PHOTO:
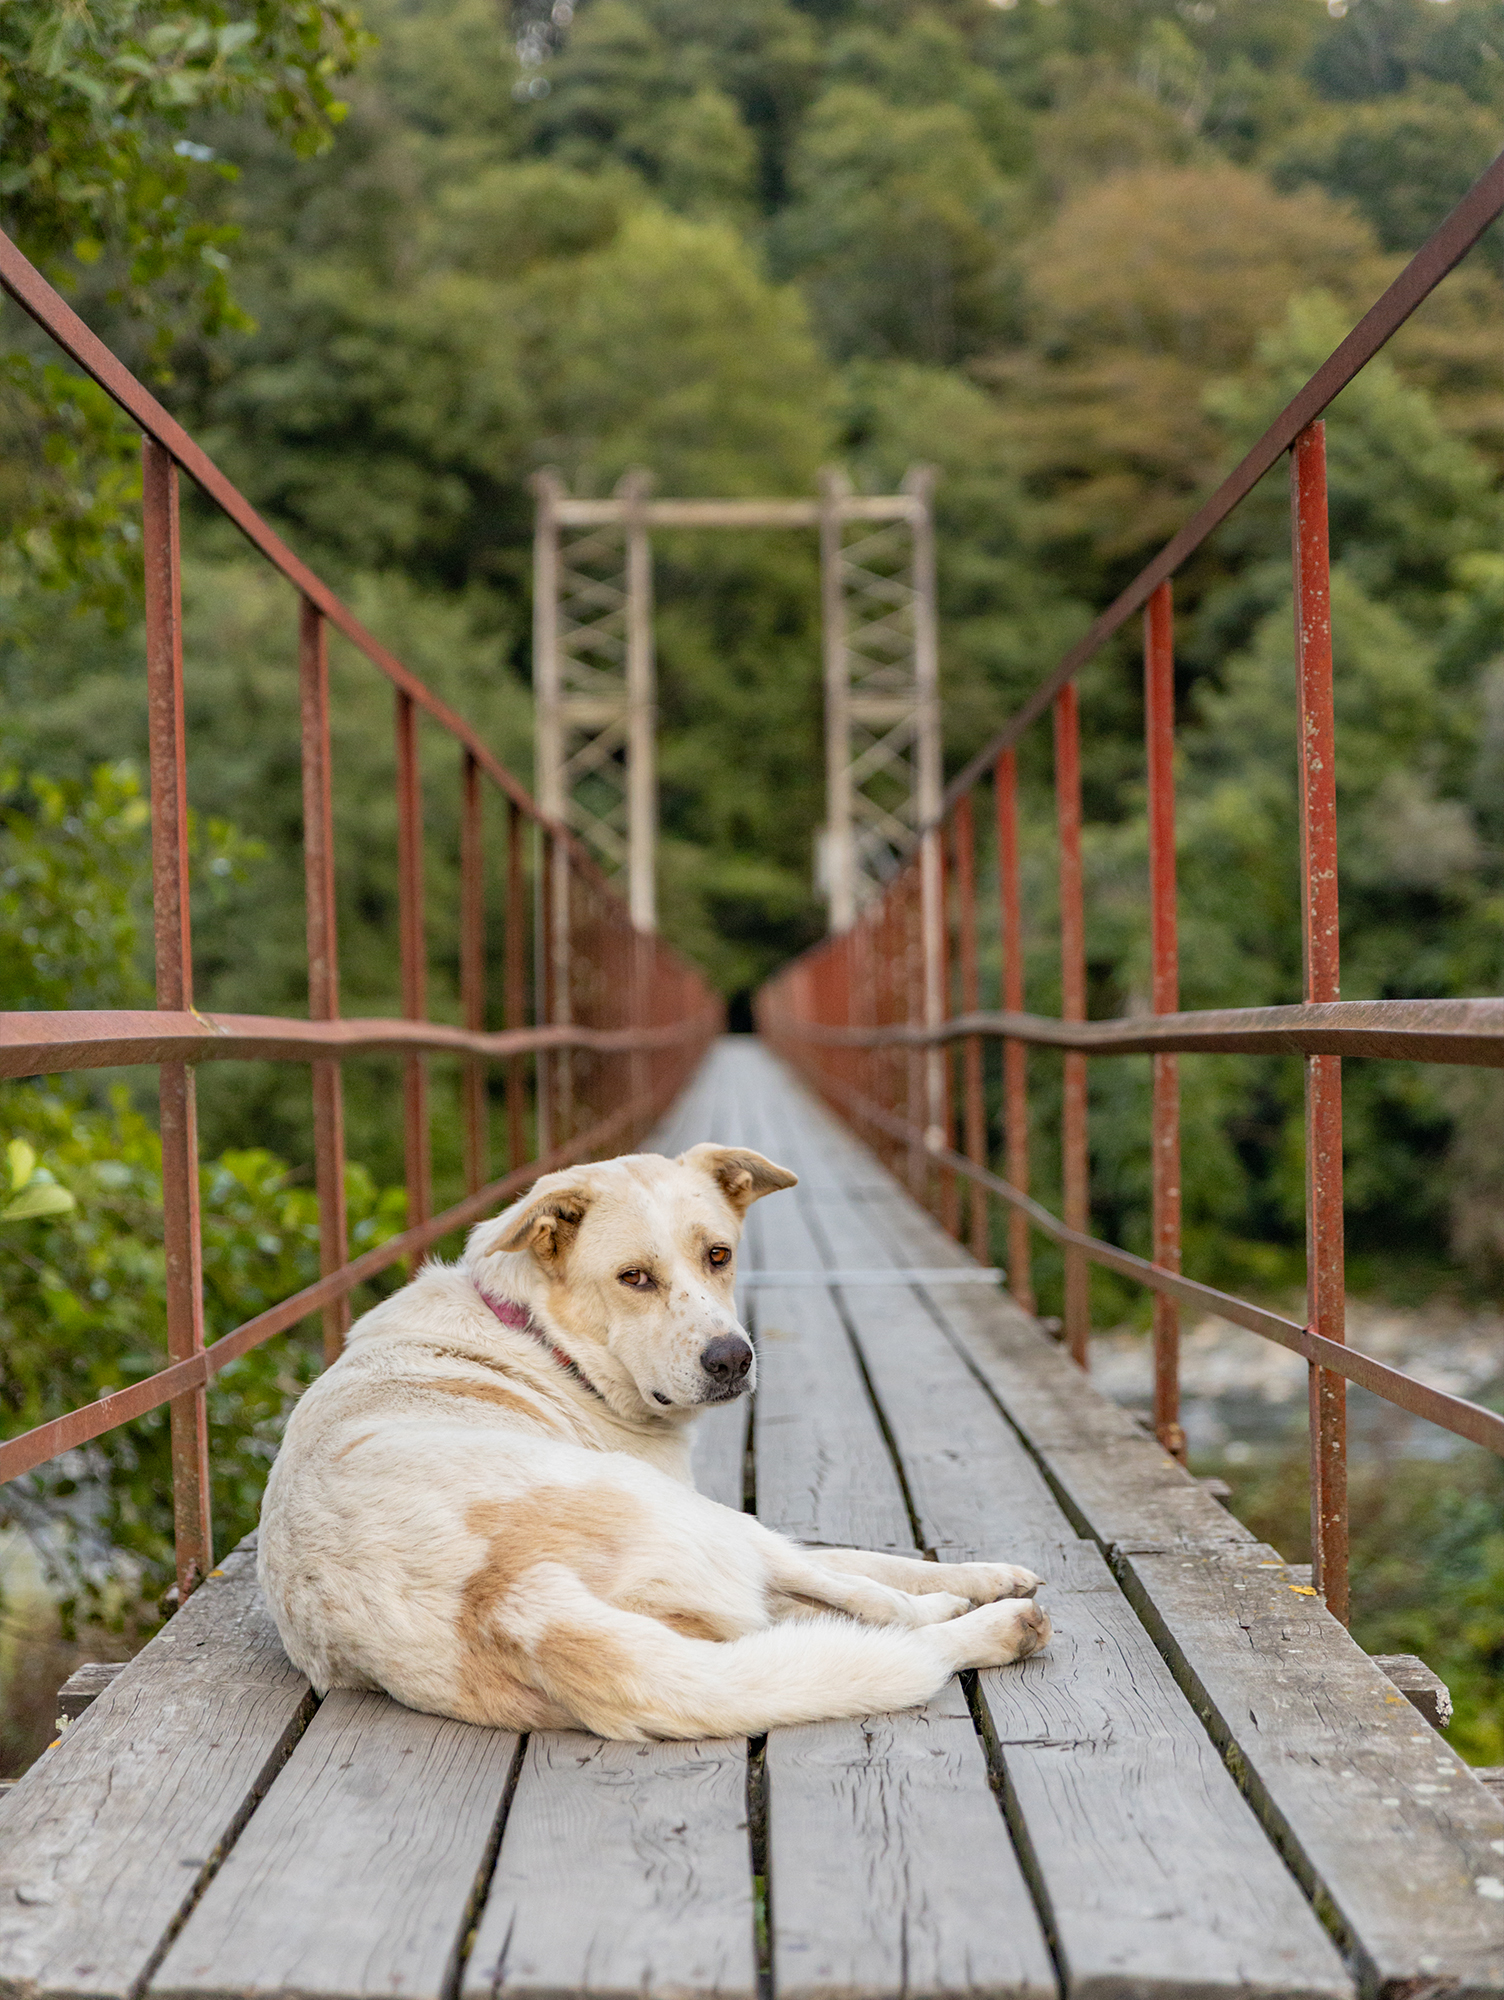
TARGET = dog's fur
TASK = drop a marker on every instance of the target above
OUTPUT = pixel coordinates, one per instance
(460, 1516)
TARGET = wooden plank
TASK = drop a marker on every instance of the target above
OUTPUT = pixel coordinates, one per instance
(359, 1872)
(108, 1837)
(1116, 1484)
(824, 1472)
(1155, 1876)
(1100, 1753)
(1383, 1822)
(719, 1453)
(1287, 1699)
(892, 1869)
(625, 1870)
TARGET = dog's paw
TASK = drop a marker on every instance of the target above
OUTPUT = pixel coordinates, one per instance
(985, 1583)
(998, 1634)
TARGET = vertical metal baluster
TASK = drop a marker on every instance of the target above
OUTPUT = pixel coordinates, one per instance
(918, 1112)
(473, 967)
(323, 960)
(514, 986)
(1159, 737)
(561, 998)
(1074, 1157)
(974, 1106)
(1325, 1301)
(182, 1240)
(948, 1186)
(1015, 1055)
(417, 1151)
(545, 1086)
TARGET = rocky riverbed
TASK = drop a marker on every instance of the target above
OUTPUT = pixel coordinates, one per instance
(1242, 1394)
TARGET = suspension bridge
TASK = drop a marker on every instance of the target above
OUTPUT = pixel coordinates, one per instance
(1203, 1787)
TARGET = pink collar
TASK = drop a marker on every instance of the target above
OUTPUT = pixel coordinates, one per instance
(518, 1317)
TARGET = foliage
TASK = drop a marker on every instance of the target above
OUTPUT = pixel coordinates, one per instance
(96, 99)
(1427, 1568)
(100, 182)
(82, 1278)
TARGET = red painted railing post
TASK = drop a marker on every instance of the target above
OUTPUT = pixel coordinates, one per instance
(943, 1132)
(417, 1152)
(1015, 1055)
(473, 967)
(1075, 1164)
(182, 1239)
(323, 960)
(514, 985)
(974, 1109)
(1325, 1285)
(1159, 735)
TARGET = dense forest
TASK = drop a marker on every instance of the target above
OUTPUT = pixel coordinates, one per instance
(1074, 253)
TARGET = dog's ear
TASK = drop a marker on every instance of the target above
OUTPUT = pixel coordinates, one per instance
(742, 1175)
(545, 1222)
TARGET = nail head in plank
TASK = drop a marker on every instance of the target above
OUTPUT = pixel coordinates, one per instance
(625, 1869)
(107, 1837)
(1156, 1877)
(1372, 1808)
(358, 1874)
(892, 1868)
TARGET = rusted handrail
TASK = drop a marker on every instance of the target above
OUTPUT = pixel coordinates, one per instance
(617, 1019)
(47, 1044)
(1437, 1031)
(853, 1015)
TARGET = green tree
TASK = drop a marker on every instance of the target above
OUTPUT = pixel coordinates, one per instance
(82, 1278)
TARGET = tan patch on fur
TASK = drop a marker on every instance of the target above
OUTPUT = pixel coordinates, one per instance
(488, 1392)
(583, 1657)
(692, 1625)
(584, 1529)
(345, 1449)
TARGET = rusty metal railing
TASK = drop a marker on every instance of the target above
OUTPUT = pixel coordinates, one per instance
(617, 1019)
(867, 1015)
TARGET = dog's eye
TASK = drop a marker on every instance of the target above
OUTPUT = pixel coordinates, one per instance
(720, 1256)
(640, 1281)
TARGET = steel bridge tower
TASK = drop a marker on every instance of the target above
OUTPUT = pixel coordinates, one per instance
(595, 681)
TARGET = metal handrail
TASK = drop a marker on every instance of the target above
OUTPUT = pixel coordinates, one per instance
(868, 1015)
(619, 1020)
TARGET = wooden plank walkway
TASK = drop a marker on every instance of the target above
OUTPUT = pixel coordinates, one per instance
(1070, 1826)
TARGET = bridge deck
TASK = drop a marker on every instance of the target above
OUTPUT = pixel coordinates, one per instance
(1071, 1825)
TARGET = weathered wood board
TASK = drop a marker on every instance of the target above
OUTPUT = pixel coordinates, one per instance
(625, 1869)
(358, 1874)
(1377, 1814)
(1100, 1752)
(1156, 1876)
(824, 1471)
(892, 1869)
(107, 1838)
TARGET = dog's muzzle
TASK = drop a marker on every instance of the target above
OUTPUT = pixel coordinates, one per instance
(727, 1360)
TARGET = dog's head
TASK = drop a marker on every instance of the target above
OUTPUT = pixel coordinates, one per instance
(633, 1261)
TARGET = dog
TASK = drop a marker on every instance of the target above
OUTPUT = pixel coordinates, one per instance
(485, 1506)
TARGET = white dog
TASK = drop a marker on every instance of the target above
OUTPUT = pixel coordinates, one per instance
(484, 1507)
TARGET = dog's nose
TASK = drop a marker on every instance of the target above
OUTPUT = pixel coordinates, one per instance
(727, 1358)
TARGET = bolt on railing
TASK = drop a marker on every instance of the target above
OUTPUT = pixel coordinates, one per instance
(618, 1021)
(868, 1014)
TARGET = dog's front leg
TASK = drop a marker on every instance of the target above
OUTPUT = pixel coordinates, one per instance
(979, 1583)
(802, 1577)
